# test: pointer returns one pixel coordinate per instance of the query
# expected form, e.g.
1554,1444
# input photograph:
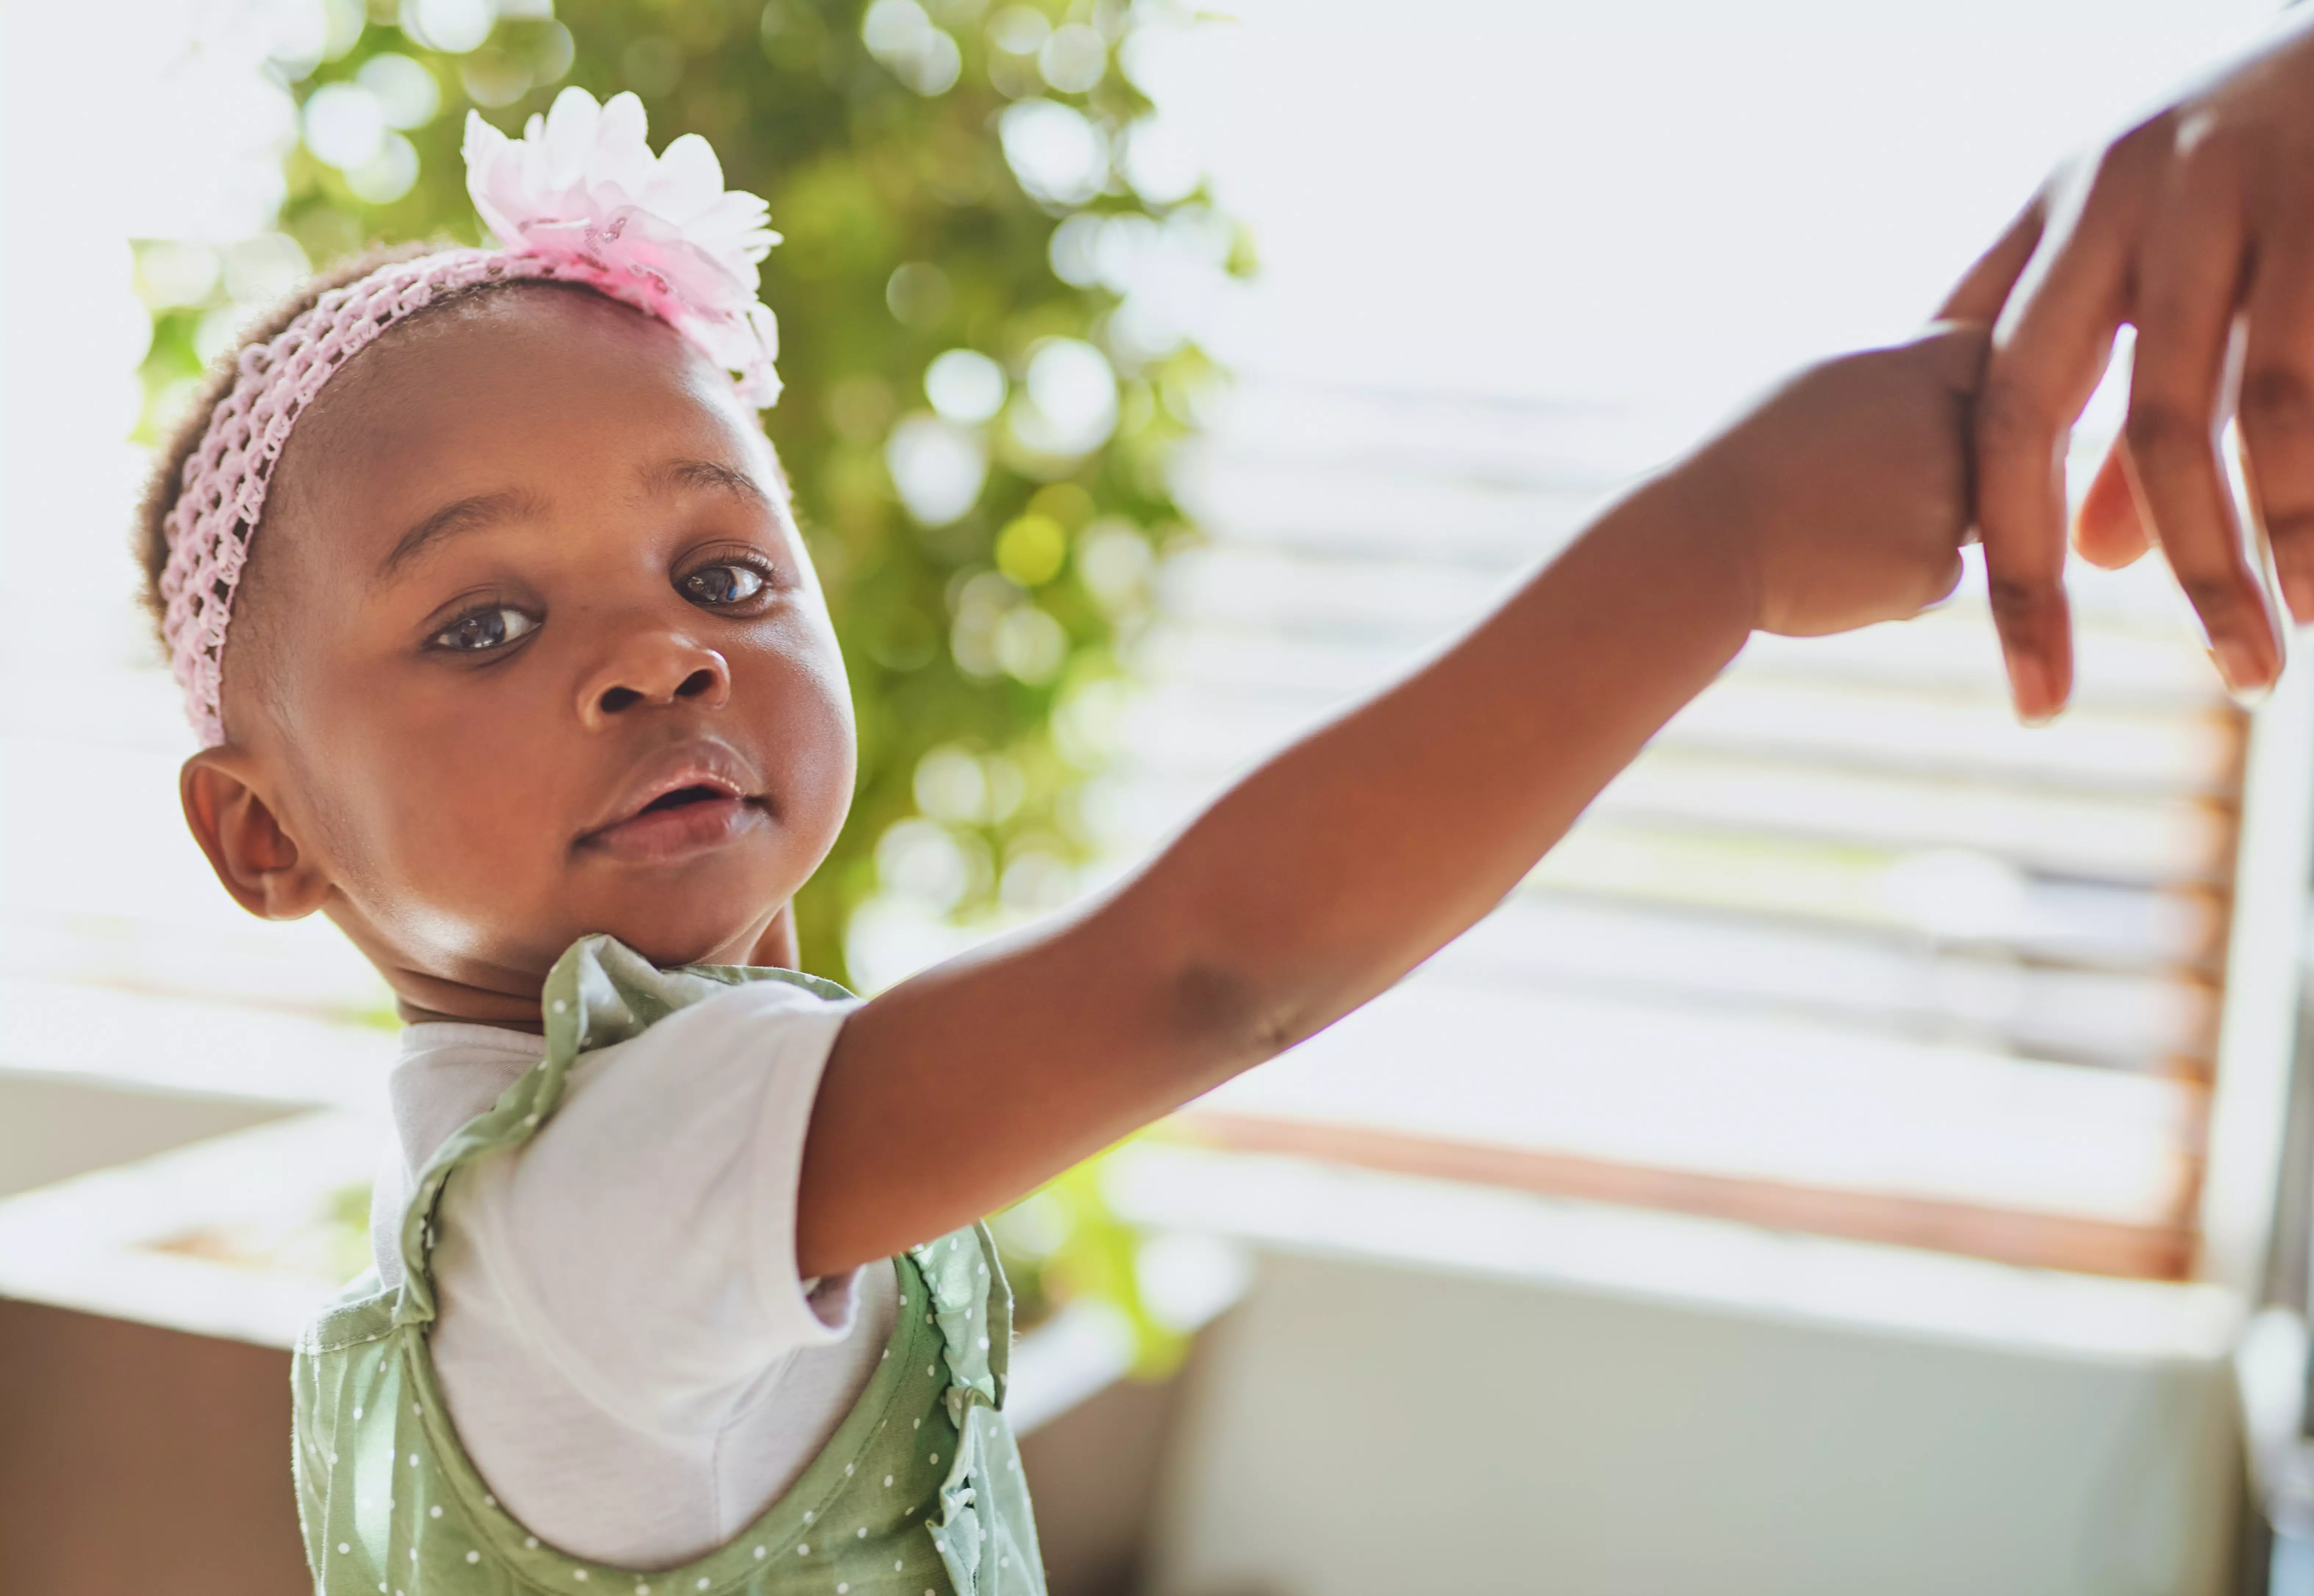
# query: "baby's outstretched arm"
1340,864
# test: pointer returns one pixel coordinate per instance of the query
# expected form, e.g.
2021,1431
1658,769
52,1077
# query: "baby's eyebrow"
466,514
704,473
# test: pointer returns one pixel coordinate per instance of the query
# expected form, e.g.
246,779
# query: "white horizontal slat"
1314,428
1747,1097
2061,833
1909,985
100,1243
1401,603
1952,649
1779,878
1843,924
2147,843
2132,662
1226,698
1788,878
2098,745
223,1049
1344,506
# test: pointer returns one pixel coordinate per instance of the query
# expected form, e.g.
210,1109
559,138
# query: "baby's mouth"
684,798
692,808
678,825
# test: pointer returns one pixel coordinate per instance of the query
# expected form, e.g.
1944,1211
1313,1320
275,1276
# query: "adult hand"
2190,224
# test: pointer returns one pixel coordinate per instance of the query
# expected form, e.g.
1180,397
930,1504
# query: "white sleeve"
644,1240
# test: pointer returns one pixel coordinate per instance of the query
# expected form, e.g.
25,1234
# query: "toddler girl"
490,606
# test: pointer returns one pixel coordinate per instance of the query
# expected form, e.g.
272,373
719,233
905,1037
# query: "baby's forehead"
509,342
536,383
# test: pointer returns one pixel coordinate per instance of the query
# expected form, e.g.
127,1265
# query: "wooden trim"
2036,1240
2257,1028
134,1457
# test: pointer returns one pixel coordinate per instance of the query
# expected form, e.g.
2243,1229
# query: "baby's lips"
696,762
684,832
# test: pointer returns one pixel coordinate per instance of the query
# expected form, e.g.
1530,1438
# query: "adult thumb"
1985,287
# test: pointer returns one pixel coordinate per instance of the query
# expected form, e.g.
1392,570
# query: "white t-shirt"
632,1361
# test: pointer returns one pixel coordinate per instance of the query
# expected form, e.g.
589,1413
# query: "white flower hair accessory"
581,186
579,199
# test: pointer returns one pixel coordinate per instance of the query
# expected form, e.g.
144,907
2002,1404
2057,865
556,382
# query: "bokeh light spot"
407,94
965,385
344,124
453,27
937,468
1074,58
1031,549
1059,155
386,176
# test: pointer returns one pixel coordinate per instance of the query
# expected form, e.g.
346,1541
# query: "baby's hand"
1849,486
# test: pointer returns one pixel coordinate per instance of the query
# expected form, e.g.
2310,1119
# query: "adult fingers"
2107,529
1984,287
2189,276
2277,405
2049,349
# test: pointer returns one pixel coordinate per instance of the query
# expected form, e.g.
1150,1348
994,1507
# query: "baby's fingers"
1956,351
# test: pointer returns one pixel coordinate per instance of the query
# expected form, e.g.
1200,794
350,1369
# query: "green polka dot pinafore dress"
918,1494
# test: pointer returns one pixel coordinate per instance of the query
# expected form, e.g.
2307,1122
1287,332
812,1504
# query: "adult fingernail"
2243,668
2031,688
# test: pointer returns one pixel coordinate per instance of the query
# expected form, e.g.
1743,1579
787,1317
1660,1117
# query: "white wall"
1435,1386
1364,1428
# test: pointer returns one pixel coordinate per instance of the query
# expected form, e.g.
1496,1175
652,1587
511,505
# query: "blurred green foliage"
946,177
1064,1244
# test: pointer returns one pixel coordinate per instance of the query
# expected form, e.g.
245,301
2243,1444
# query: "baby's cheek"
798,702
455,829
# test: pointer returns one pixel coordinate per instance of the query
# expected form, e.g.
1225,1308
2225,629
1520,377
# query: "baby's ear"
257,862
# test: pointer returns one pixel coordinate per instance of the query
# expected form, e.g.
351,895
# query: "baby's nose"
654,669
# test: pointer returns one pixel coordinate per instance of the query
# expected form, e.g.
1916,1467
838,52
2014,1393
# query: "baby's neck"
529,1020
510,998
430,1000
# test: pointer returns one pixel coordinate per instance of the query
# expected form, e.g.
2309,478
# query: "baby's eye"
478,631
722,585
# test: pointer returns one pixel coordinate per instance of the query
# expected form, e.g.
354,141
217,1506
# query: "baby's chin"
702,906
712,908
501,952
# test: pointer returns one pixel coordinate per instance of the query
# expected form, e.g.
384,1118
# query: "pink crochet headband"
579,199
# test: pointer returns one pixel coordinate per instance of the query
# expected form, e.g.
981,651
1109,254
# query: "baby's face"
545,652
